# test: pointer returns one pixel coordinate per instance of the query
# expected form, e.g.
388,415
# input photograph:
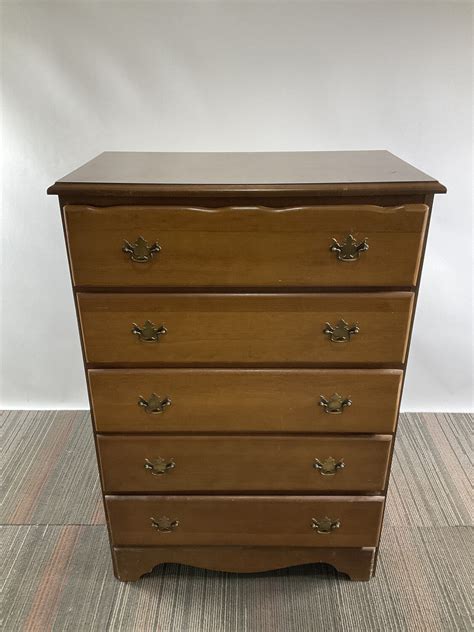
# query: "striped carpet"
58,573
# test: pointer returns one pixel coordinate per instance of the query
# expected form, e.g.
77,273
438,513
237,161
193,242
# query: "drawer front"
240,520
245,247
243,464
246,400
245,329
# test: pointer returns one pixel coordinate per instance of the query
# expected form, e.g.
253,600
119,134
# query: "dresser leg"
130,563
358,564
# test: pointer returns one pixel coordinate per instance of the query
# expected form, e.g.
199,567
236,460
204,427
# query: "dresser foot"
130,563
358,564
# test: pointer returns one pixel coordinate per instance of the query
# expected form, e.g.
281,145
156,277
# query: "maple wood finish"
244,520
238,401
243,464
219,173
245,329
224,247
131,563
245,427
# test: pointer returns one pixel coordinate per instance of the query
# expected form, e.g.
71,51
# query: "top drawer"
253,247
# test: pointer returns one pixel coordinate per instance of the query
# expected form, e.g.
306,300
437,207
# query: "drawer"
320,521
245,400
245,247
245,329
243,464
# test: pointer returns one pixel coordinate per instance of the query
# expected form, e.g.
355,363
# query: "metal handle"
329,466
159,466
163,524
154,405
149,332
140,251
349,250
335,405
341,331
325,525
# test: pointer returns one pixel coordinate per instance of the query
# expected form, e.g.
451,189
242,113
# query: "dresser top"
331,170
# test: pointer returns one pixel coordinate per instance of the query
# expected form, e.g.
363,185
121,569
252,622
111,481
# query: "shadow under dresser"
245,322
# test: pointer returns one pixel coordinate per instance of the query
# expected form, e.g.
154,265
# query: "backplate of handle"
140,251
163,524
329,466
349,250
154,405
335,405
341,331
149,332
159,466
325,525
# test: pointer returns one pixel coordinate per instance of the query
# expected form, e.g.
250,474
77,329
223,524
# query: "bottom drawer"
320,521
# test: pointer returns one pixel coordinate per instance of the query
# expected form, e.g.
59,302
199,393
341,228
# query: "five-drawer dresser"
245,321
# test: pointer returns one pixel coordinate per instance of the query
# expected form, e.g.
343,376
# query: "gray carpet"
58,573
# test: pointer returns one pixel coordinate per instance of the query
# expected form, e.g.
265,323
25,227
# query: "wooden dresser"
245,322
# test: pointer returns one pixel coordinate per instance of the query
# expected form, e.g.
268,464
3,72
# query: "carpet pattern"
58,575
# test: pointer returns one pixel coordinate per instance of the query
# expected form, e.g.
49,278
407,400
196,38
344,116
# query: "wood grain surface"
245,329
130,563
244,286
244,520
304,167
246,247
243,464
246,400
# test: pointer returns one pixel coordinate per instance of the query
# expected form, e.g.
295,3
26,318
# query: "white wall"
82,77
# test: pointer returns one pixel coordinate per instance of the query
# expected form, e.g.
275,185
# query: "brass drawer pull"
140,251
159,466
335,404
329,466
341,331
163,524
324,525
149,332
349,250
154,405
